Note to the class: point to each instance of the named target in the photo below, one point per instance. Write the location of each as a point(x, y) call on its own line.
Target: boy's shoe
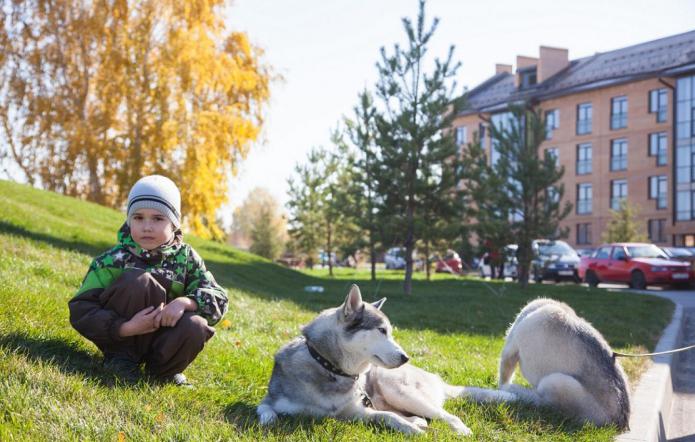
point(122, 367)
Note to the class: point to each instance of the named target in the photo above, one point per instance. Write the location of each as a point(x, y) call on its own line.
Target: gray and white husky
point(569, 364)
point(348, 366)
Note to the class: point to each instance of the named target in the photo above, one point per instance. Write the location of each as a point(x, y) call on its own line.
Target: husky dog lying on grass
point(348, 366)
point(568, 363)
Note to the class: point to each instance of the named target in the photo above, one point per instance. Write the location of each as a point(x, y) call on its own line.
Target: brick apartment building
point(622, 123)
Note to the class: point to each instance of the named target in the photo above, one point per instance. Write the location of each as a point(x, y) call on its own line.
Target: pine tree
point(531, 182)
point(417, 149)
point(306, 206)
point(361, 131)
point(485, 200)
point(622, 226)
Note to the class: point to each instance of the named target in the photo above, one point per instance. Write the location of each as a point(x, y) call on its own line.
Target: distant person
point(149, 300)
point(495, 260)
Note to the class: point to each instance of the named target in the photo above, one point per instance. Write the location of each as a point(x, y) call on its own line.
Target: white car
point(394, 258)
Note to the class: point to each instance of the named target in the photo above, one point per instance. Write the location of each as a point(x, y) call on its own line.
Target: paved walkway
point(680, 426)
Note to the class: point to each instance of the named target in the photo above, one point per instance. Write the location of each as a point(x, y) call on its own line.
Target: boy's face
point(150, 228)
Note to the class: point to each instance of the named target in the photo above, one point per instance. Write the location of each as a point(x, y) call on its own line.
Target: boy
point(149, 299)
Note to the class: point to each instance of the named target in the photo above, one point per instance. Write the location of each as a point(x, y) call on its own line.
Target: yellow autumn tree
point(95, 94)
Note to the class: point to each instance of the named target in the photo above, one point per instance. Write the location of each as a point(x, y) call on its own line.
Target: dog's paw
point(266, 415)
point(412, 429)
point(418, 421)
point(461, 429)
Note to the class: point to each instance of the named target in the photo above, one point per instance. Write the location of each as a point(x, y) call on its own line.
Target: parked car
point(450, 263)
point(585, 252)
point(682, 254)
point(510, 269)
point(637, 264)
point(394, 258)
point(679, 253)
point(554, 259)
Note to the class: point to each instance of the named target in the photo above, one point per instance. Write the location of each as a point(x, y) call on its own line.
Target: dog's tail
point(480, 395)
point(266, 414)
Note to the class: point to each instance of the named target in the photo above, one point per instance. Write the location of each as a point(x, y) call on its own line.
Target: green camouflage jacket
point(175, 265)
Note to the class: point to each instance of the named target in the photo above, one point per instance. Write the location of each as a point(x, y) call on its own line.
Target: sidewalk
point(663, 404)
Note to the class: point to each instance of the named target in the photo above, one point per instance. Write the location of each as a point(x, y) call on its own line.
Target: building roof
point(666, 56)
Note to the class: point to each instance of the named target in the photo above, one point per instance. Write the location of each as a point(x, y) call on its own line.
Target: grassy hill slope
point(52, 385)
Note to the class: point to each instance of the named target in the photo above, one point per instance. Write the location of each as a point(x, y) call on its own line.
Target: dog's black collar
point(325, 363)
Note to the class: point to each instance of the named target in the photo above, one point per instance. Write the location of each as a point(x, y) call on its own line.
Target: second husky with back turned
point(569, 364)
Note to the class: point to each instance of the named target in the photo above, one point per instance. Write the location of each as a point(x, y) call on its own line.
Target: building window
point(656, 228)
point(552, 122)
point(658, 190)
point(658, 104)
point(619, 112)
point(503, 121)
point(528, 77)
point(482, 132)
point(554, 154)
point(461, 135)
point(685, 108)
point(658, 148)
point(685, 163)
point(619, 154)
point(685, 149)
point(584, 118)
point(618, 193)
point(584, 197)
point(685, 203)
point(584, 233)
point(687, 240)
point(584, 159)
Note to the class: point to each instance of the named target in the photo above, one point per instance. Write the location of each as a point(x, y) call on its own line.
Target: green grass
point(52, 386)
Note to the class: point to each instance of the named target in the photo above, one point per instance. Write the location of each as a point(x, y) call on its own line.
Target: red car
point(451, 263)
point(637, 264)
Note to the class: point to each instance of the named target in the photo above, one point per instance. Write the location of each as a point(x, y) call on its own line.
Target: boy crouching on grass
point(149, 299)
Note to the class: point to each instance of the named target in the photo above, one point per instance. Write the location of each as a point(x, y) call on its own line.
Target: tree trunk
point(524, 257)
point(329, 250)
point(409, 244)
point(427, 259)
point(372, 255)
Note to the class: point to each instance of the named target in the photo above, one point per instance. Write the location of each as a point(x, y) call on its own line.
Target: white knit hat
point(159, 193)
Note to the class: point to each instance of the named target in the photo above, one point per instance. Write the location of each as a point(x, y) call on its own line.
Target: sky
point(326, 51)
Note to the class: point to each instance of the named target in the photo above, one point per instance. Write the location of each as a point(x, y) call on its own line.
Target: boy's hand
point(173, 311)
point(142, 323)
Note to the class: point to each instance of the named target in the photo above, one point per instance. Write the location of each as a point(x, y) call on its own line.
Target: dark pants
point(166, 351)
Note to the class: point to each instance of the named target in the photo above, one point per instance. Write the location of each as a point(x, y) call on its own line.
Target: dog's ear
point(353, 302)
point(379, 303)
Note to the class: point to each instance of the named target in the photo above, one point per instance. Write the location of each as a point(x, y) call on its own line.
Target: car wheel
point(637, 280)
point(591, 279)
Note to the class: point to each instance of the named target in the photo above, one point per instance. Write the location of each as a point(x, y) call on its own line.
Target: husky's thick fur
point(568, 363)
point(360, 373)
